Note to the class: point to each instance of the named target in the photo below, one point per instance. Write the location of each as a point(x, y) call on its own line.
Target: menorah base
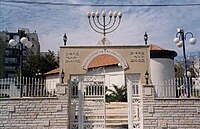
point(104, 41)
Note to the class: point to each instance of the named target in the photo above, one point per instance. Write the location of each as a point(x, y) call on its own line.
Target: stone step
point(122, 123)
point(116, 119)
point(117, 114)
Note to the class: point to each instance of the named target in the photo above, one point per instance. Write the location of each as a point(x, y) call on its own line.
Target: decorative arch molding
point(94, 54)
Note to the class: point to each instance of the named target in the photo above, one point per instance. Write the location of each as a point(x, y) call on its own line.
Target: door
point(87, 102)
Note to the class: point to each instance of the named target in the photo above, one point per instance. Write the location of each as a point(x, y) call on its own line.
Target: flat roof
point(102, 46)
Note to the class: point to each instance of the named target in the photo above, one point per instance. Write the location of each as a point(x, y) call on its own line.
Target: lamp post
point(104, 27)
point(23, 41)
point(145, 38)
point(65, 39)
point(180, 42)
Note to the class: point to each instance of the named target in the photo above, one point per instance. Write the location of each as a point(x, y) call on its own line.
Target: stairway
point(117, 115)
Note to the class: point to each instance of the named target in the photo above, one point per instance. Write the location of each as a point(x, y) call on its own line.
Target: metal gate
point(87, 109)
point(134, 102)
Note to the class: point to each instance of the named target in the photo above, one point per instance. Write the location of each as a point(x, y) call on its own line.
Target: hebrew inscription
point(72, 57)
point(137, 56)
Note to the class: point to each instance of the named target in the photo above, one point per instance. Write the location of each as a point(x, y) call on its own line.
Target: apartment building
point(10, 56)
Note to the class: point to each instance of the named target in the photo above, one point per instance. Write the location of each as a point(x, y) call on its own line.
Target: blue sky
point(52, 21)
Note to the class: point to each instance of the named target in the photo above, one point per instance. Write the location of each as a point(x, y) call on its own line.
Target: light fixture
point(65, 39)
point(189, 74)
point(119, 64)
point(178, 29)
point(145, 38)
point(176, 40)
point(12, 42)
point(179, 44)
point(147, 77)
point(62, 76)
point(192, 41)
point(103, 13)
point(23, 41)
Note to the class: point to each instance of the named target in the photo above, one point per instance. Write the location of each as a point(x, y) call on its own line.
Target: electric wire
point(101, 5)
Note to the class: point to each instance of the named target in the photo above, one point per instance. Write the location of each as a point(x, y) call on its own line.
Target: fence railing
point(176, 88)
point(24, 87)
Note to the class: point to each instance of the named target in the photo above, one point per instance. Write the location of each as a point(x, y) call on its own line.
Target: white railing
point(23, 87)
point(176, 88)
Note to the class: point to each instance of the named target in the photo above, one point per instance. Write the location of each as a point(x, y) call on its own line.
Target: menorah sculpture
point(104, 27)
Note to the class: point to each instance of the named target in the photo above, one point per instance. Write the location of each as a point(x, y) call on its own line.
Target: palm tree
point(119, 94)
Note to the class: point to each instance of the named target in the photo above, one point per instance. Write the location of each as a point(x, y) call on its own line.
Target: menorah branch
point(96, 24)
point(114, 28)
point(111, 25)
point(109, 21)
point(99, 22)
point(94, 28)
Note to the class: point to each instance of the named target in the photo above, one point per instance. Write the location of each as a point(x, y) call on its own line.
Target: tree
point(48, 62)
point(179, 68)
point(39, 63)
point(195, 65)
point(119, 94)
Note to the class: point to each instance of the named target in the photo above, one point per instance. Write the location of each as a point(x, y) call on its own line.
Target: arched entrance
point(97, 53)
point(105, 68)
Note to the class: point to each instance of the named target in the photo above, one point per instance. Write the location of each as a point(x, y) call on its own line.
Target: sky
point(52, 20)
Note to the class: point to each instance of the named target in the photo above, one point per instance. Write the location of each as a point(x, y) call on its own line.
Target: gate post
point(81, 103)
point(63, 94)
point(148, 93)
point(134, 102)
point(130, 106)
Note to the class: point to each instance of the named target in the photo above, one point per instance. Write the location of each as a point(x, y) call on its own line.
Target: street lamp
point(180, 42)
point(23, 41)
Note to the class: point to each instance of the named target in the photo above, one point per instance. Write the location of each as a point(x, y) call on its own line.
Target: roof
point(103, 60)
point(54, 71)
point(103, 46)
point(155, 47)
point(158, 52)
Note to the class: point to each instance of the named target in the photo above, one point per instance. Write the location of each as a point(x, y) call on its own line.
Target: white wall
point(114, 79)
point(113, 75)
point(51, 81)
point(162, 70)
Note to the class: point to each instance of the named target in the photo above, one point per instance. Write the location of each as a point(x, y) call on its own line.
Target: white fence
point(24, 87)
point(176, 88)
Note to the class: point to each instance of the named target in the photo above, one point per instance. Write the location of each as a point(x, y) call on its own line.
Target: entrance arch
point(97, 53)
point(88, 102)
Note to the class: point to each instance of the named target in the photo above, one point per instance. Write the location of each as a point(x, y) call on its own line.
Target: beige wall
point(36, 112)
point(137, 58)
point(169, 113)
